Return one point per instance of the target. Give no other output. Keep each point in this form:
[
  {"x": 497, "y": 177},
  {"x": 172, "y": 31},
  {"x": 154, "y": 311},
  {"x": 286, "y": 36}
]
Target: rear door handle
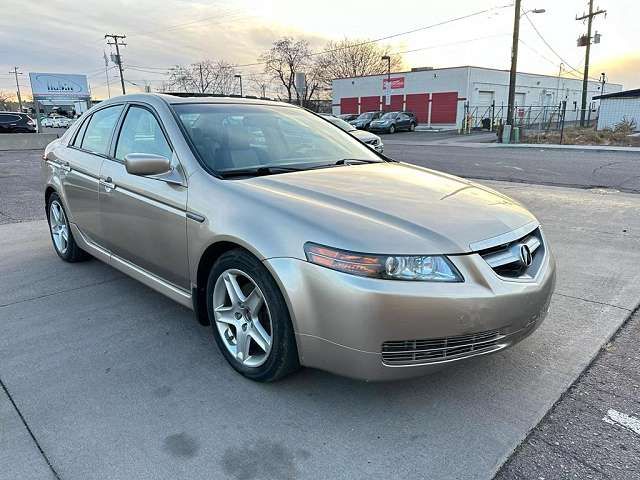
[{"x": 108, "y": 184}]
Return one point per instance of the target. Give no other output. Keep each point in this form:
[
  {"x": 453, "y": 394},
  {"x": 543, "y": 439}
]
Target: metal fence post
[{"x": 564, "y": 111}]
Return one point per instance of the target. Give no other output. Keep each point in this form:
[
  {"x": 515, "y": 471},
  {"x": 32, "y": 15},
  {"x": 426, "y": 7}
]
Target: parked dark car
[
  {"x": 364, "y": 120},
  {"x": 347, "y": 117},
  {"x": 391, "y": 122},
  {"x": 16, "y": 122}
]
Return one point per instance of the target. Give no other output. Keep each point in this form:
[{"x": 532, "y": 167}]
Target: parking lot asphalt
[
  {"x": 593, "y": 432},
  {"x": 542, "y": 166},
  {"x": 118, "y": 382}
]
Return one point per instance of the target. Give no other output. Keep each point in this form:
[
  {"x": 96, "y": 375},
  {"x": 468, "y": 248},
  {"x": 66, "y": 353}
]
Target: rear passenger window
[
  {"x": 141, "y": 133},
  {"x": 78, "y": 140},
  {"x": 98, "y": 133}
]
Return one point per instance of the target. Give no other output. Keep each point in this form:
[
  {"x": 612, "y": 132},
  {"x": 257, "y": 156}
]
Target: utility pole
[
  {"x": 587, "y": 40},
  {"x": 16, "y": 73},
  {"x": 514, "y": 64},
  {"x": 118, "y": 44}
]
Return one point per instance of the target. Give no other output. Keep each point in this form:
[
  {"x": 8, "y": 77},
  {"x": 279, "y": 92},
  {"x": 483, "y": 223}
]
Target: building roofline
[
  {"x": 467, "y": 66},
  {"x": 624, "y": 94}
]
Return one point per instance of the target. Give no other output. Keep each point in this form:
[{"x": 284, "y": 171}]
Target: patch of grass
[{"x": 620, "y": 135}]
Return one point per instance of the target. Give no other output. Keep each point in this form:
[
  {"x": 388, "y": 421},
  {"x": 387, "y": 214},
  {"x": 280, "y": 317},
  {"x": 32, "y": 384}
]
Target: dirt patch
[{"x": 621, "y": 135}]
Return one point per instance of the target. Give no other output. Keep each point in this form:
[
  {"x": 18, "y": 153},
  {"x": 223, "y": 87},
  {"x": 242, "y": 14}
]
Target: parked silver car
[
  {"x": 297, "y": 243},
  {"x": 370, "y": 139}
]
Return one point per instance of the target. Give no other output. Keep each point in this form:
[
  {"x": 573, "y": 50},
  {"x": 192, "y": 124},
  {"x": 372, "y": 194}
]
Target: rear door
[
  {"x": 143, "y": 218},
  {"x": 79, "y": 169}
]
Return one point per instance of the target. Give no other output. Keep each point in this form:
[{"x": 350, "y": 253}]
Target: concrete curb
[{"x": 592, "y": 148}]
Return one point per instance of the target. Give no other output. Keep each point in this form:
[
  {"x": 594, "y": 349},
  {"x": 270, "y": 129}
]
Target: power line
[
  {"x": 551, "y": 48},
  {"x": 395, "y": 35}
]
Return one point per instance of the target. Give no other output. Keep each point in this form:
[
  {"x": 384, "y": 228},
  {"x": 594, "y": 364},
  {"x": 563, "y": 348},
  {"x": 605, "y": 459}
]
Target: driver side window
[{"x": 141, "y": 133}]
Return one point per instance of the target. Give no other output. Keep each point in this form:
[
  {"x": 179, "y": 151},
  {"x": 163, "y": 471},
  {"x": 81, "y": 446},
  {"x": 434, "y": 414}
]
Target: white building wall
[
  {"x": 615, "y": 110},
  {"x": 476, "y": 85}
]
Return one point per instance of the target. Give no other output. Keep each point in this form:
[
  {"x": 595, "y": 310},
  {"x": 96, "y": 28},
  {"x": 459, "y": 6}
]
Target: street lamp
[
  {"x": 238, "y": 76},
  {"x": 514, "y": 57},
  {"x": 388, "y": 59}
]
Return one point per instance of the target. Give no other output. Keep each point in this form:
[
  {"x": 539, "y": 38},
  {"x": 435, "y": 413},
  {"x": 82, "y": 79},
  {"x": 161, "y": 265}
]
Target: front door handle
[
  {"x": 108, "y": 184},
  {"x": 66, "y": 167}
]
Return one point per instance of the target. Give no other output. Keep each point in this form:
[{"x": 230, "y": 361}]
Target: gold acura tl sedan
[{"x": 298, "y": 244}]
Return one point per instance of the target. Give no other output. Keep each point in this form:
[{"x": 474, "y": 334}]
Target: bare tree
[
  {"x": 5, "y": 100},
  {"x": 261, "y": 83},
  {"x": 203, "y": 77},
  {"x": 286, "y": 57},
  {"x": 355, "y": 58}
]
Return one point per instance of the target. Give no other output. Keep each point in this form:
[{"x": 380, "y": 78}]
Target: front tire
[
  {"x": 392, "y": 129},
  {"x": 412, "y": 127},
  {"x": 250, "y": 319},
  {"x": 63, "y": 242}
]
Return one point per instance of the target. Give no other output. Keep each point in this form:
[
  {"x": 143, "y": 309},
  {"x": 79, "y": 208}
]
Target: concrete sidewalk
[{"x": 118, "y": 382}]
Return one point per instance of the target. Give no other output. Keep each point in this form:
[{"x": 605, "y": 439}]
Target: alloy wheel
[
  {"x": 59, "y": 227},
  {"x": 242, "y": 318}
]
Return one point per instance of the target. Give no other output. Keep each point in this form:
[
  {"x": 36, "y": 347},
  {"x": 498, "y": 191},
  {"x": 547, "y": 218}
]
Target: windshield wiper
[
  {"x": 348, "y": 161},
  {"x": 259, "y": 171}
]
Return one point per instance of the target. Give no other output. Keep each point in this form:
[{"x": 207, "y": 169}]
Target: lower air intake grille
[{"x": 432, "y": 350}]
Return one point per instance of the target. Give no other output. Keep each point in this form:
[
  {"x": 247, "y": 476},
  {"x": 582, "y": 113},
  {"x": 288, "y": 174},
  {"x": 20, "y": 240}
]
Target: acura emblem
[{"x": 525, "y": 255}]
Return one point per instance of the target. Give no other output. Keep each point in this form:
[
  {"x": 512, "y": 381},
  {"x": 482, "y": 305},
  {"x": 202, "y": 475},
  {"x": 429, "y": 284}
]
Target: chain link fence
[{"x": 529, "y": 117}]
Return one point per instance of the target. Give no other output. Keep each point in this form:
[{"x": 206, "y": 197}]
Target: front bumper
[{"x": 341, "y": 321}]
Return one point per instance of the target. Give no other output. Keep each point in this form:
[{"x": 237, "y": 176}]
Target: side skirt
[{"x": 183, "y": 297}]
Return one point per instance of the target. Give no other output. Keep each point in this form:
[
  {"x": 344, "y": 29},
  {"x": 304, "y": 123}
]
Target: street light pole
[
  {"x": 388, "y": 59},
  {"x": 16, "y": 73}
]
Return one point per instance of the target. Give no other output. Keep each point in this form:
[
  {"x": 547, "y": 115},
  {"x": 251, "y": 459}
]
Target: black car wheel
[
  {"x": 412, "y": 127},
  {"x": 392, "y": 129}
]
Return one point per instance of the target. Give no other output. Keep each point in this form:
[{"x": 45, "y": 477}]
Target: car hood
[
  {"x": 388, "y": 208},
  {"x": 364, "y": 136}
]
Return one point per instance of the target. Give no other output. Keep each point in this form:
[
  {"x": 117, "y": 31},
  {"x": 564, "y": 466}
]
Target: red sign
[{"x": 396, "y": 82}]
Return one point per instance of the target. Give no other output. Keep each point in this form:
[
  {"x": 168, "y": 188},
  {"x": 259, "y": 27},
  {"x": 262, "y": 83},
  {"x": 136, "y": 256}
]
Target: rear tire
[
  {"x": 63, "y": 242},
  {"x": 250, "y": 319},
  {"x": 412, "y": 127}
]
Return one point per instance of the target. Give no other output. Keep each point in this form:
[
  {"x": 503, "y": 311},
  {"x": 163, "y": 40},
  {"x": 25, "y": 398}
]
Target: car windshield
[
  {"x": 389, "y": 116},
  {"x": 231, "y": 137},
  {"x": 338, "y": 122},
  {"x": 365, "y": 116}
]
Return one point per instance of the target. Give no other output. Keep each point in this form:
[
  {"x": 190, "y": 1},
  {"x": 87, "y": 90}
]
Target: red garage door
[
  {"x": 369, "y": 104},
  {"x": 349, "y": 105},
  {"x": 444, "y": 107},
  {"x": 396, "y": 103},
  {"x": 418, "y": 103}
]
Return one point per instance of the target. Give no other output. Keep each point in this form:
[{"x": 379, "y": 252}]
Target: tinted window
[
  {"x": 98, "y": 134},
  {"x": 338, "y": 122},
  {"x": 78, "y": 140},
  {"x": 141, "y": 133},
  {"x": 9, "y": 118},
  {"x": 229, "y": 137}
]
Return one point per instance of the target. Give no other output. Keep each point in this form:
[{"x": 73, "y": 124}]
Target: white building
[
  {"x": 438, "y": 96},
  {"x": 618, "y": 106}
]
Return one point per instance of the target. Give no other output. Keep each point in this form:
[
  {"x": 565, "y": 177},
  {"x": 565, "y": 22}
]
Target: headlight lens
[{"x": 426, "y": 268}]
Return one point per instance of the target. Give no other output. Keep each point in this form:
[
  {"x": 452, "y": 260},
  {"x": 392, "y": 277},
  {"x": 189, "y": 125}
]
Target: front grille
[
  {"x": 506, "y": 261},
  {"x": 433, "y": 350}
]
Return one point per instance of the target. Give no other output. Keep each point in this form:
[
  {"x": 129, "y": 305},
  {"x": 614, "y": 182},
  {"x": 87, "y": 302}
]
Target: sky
[{"x": 67, "y": 36}]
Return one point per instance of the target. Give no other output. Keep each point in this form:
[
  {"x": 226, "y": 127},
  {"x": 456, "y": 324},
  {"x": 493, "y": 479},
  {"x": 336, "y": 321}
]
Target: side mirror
[{"x": 146, "y": 164}]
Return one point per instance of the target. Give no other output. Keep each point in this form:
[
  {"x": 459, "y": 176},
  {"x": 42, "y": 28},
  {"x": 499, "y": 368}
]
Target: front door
[{"x": 143, "y": 219}]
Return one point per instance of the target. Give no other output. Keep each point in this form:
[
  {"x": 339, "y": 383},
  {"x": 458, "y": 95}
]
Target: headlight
[{"x": 427, "y": 268}]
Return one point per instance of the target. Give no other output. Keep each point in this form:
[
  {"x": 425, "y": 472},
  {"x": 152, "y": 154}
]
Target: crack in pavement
[
  {"x": 29, "y": 431},
  {"x": 44, "y": 295},
  {"x": 594, "y": 301}
]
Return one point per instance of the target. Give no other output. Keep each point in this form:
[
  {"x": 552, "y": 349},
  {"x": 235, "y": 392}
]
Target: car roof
[{"x": 174, "y": 100}]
